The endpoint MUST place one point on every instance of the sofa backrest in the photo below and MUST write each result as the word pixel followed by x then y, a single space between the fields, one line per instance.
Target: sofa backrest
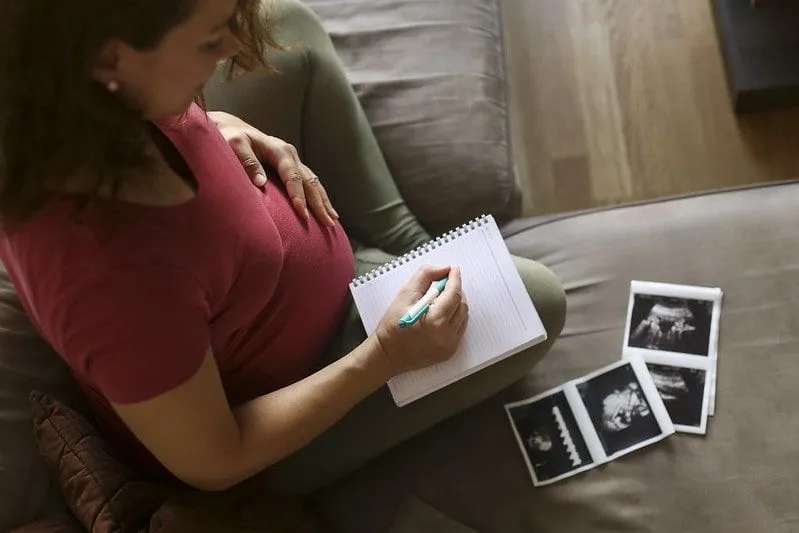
pixel 431 78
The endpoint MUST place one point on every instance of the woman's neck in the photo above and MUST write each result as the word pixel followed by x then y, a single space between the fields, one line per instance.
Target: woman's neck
pixel 166 181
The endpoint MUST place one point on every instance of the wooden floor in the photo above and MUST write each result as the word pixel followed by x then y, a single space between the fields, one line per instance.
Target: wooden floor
pixel 623 100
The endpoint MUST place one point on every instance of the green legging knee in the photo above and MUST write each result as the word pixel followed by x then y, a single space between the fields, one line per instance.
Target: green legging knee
pixel 310 104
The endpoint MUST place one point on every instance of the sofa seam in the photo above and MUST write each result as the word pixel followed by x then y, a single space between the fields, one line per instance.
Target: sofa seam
pixel 559 217
pixel 510 152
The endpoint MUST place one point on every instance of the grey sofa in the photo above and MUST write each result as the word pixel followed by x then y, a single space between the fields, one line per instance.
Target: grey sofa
pixel 431 77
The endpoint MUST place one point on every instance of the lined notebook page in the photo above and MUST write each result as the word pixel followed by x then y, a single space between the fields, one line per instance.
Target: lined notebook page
pixel 502 317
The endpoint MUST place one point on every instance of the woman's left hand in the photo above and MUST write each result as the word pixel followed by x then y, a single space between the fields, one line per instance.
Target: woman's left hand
pixel 303 186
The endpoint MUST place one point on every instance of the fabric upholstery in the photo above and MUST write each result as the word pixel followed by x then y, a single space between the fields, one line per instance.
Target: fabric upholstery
pixel 431 79
pixel 58 523
pixel 742 476
pixel 416 516
pixel 248 508
pixel 26 362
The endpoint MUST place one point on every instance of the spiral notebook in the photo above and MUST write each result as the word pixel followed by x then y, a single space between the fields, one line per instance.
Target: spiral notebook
pixel 502 317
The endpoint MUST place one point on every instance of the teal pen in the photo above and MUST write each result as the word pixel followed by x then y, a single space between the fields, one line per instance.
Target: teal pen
pixel 418 309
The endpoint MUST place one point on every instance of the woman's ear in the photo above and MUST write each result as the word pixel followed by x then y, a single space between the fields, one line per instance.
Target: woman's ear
pixel 106 65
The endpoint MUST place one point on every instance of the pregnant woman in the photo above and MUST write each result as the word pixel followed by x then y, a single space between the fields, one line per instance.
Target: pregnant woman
pixel 205 312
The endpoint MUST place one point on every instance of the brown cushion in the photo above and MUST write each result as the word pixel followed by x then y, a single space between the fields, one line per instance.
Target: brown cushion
pixel 103 494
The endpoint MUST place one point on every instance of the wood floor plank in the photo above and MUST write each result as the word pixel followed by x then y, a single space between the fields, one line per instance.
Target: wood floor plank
pixel 609 168
pixel 627 98
pixel 556 85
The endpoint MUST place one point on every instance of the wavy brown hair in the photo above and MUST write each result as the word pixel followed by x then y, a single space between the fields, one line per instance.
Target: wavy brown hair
pixel 55 120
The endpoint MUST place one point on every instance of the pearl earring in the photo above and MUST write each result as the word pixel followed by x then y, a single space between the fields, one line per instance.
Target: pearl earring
pixel 112 86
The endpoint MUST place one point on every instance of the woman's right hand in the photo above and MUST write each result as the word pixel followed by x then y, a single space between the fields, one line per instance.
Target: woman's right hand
pixel 435 337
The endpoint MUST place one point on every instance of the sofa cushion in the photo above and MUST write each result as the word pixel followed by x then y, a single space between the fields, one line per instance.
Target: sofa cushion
pixel 416 516
pixel 250 507
pixel 59 523
pixel 742 476
pixel 26 363
pixel 431 78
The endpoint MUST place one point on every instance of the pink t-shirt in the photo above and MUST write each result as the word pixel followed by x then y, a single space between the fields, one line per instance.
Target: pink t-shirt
pixel 133 296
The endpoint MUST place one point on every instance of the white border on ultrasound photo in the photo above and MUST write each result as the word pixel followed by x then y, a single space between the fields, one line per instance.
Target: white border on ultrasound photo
pixel 712 294
pixel 665 360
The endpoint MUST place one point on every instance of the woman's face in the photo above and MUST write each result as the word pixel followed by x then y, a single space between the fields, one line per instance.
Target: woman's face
pixel 165 80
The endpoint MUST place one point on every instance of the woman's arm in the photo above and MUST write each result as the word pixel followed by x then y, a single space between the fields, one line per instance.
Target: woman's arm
pixel 193 432
pixel 197 436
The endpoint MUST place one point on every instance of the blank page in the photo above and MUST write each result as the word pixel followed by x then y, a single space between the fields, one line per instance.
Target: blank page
pixel 502 317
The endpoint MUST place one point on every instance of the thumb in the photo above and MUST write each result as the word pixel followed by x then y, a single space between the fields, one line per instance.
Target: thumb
pixel 250 163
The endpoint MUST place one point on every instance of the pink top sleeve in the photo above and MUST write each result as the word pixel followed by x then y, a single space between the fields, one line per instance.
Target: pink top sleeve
pixel 131 333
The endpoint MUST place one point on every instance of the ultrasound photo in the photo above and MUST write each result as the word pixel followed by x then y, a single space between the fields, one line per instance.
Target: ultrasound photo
pixel 550 437
pixel 682 390
pixel 618 409
pixel 671 324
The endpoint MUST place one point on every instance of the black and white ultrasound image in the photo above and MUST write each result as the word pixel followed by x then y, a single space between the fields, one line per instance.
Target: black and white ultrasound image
pixel 618 409
pixel 550 436
pixel 679 325
pixel 682 391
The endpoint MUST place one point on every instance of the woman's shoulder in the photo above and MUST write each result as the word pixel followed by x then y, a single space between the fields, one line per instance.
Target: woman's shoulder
pixel 58 265
pixel 66 240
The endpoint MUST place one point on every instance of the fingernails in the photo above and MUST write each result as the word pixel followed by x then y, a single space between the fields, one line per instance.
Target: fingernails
pixel 335 214
pixel 305 213
pixel 260 180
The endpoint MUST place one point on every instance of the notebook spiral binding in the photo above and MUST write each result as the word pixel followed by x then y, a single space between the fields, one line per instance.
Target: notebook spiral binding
pixel 422 250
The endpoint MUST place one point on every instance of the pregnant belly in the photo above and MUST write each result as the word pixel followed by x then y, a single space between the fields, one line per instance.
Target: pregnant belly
pixel 306 309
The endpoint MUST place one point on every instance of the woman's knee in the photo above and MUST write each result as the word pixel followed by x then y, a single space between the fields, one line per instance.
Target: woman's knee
pixel 294 20
pixel 547 294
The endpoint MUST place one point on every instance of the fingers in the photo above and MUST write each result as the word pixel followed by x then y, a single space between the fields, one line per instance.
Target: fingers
pixel 242 147
pixel 448 302
pixel 303 186
pixel 317 198
pixel 461 318
pixel 420 282
pixel 282 157
pixel 290 171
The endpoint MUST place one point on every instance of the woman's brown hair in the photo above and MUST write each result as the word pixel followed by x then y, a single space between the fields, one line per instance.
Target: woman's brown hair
pixel 54 118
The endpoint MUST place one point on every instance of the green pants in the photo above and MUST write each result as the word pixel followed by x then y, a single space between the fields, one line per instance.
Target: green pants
pixel 310 104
